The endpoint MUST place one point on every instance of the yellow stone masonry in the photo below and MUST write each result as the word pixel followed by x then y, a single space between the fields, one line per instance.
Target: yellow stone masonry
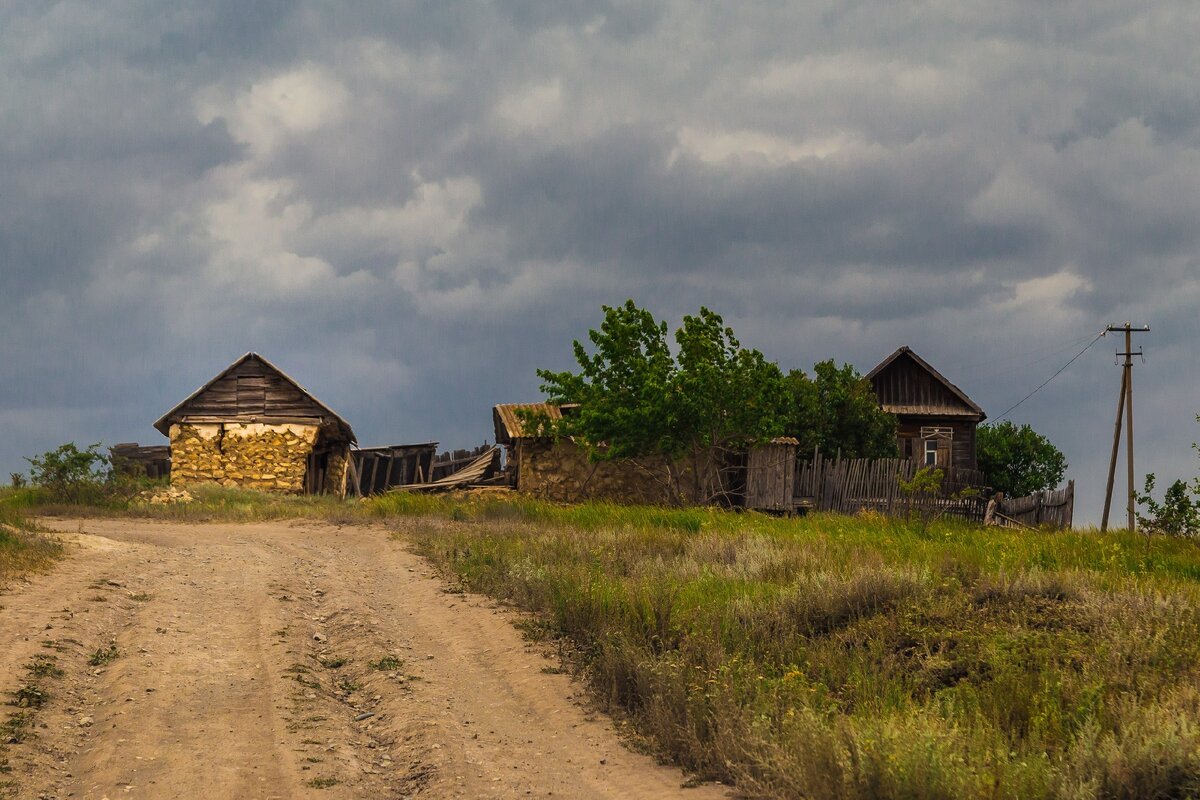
pixel 251 455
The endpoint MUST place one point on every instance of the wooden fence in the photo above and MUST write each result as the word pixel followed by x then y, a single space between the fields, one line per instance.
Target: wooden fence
pixel 851 485
pixel 1055 507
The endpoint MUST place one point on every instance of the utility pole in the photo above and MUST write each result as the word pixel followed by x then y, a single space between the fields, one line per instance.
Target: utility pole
pixel 1124 404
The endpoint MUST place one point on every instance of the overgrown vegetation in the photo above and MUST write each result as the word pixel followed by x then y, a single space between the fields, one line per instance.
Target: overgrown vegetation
pixel 836 657
pixel 690 407
pixel 1018 460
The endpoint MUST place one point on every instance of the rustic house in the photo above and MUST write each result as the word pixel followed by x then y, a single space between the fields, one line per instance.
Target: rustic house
pixel 937 419
pixel 255 427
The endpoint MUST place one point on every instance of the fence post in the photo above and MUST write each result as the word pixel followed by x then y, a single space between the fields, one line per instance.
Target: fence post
pixel 1069 519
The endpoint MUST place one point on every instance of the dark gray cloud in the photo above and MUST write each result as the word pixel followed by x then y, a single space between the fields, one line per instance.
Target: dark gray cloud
pixel 411 206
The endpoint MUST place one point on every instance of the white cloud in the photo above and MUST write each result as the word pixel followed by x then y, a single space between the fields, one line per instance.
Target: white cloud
pixel 276 109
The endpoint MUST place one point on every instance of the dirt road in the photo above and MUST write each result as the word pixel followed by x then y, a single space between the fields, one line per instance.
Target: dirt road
pixel 282 660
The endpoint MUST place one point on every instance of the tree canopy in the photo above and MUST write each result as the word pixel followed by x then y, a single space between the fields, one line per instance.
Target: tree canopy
pixel 638 395
pixel 1018 460
pixel 837 410
pixel 636 398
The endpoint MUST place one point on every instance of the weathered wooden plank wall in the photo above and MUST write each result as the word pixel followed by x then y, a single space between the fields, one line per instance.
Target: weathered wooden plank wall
pixel 1054 507
pixel 771 477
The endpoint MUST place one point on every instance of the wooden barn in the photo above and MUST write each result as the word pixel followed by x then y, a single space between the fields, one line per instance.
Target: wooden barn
pixel 255 427
pixel 937 419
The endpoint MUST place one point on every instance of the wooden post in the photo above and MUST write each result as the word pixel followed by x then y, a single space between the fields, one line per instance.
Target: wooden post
pixel 1129 421
pixel 1112 461
pixel 1069 513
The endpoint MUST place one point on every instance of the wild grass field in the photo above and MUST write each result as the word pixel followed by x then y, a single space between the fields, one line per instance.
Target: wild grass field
pixel 857 657
pixel 838 657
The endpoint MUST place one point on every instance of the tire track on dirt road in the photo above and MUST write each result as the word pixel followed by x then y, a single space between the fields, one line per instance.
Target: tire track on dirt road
pixel 292 659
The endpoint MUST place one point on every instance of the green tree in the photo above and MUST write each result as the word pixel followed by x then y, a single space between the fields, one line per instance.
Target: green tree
pixel 1018 460
pixel 686 411
pixel 837 409
pixel 71 474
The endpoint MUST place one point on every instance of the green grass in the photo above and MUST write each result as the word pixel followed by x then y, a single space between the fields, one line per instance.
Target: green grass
pixel 22 549
pixel 839 657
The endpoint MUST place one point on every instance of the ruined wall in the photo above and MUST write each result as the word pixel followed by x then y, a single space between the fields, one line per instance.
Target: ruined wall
pixel 251 455
pixel 561 471
pixel 336 472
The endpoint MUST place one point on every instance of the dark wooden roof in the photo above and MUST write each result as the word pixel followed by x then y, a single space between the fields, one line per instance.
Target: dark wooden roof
pixel 252 389
pixel 906 384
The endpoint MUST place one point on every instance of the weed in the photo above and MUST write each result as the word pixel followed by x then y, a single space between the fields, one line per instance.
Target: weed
pixel 323 783
pixel 44 666
pixel 332 662
pixel 16 728
pixel 30 696
pixel 348 685
pixel 104 655
pixel 387 664
pixel 141 597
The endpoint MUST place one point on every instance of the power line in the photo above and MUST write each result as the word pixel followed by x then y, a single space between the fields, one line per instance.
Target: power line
pixel 1099 336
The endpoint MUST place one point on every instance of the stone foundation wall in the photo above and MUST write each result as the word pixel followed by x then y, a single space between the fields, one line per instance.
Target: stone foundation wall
pixel 560 470
pixel 251 455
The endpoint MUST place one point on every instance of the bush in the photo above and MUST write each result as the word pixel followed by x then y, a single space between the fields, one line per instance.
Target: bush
pixel 70 475
pixel 1177 515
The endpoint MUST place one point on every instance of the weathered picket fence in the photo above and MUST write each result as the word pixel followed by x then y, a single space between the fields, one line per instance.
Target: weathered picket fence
pixel 851 485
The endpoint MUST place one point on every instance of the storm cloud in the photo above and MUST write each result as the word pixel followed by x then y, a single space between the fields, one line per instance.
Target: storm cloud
pixel 412 206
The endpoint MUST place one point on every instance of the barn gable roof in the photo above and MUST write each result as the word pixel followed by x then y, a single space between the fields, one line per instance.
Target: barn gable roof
pixel 252 388
pixel 902 389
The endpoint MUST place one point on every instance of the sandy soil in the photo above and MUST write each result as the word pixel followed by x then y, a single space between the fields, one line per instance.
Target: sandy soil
pixel 244 670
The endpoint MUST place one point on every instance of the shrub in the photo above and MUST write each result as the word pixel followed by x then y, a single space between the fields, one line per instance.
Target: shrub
pixel 1177 515
pixel 69 474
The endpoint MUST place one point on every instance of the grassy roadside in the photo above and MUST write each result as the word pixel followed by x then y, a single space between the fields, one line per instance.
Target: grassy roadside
pixel 22 548
pixel 838 657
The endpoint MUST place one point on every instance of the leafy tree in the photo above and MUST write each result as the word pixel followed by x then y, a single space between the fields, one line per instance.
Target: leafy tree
pixel 637 400
pixel 1018 460
pixel 837 409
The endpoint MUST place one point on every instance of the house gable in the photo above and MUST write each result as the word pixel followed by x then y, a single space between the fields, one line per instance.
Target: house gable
pixel 907 385
pixel 255 390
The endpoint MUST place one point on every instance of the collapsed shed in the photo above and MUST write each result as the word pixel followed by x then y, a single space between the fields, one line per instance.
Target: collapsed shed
pixel 255 427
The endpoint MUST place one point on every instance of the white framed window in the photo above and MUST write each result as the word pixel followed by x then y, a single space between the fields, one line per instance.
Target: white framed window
pixel 931 451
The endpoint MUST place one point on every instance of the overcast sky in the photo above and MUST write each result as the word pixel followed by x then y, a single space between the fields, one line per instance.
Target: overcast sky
pixel 411 206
